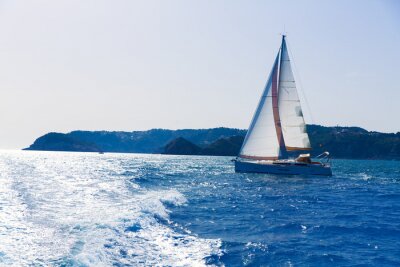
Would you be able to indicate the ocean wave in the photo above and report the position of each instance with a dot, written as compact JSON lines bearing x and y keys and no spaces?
{"x":81,"y":210}
{"x":77,"y":209}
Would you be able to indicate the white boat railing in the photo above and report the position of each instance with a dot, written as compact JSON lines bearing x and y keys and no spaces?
{"x":324,"y":157}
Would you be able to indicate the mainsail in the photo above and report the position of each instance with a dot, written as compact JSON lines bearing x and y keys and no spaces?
{"x":293,"y":125}
{"x":278,"y":124}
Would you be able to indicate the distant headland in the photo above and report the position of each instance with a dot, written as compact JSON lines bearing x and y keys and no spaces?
{"x":341,"y":142}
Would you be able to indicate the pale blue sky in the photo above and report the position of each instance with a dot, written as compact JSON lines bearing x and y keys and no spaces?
{"x":136,"y":65}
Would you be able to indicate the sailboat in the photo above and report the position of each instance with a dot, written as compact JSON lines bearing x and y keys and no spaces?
{"x":277,"y":134}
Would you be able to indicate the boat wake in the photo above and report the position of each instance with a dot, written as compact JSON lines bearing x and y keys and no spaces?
{"x":76,"y":209}
{"x":70,"y":211}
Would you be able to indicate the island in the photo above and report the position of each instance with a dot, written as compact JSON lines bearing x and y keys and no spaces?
{"x":341,"y":142}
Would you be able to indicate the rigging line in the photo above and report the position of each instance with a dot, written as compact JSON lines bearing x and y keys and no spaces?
{"x":300,"y":83}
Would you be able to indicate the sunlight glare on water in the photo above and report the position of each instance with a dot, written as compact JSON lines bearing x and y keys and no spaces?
{"x":87,"y":209}
{"x":82,"y":209}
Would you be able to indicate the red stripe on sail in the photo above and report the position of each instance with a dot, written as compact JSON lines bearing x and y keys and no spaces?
{"x":275,"y":108}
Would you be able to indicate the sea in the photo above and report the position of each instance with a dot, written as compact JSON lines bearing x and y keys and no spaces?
{"x":88,"y":209}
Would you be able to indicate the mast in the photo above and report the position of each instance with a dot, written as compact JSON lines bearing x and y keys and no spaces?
{"x":275,"y":104}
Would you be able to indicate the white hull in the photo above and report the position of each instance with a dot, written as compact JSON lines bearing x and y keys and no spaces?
{"x":283,"y":167}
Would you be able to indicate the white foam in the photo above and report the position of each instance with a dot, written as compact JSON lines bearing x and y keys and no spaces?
{"x":365,"y":176}
{"x":163,"y":246}
{"x":152,"y":202}
{"x":75,"y":207}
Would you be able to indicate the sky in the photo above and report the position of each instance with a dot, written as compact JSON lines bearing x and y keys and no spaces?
{"x":136,"y":65}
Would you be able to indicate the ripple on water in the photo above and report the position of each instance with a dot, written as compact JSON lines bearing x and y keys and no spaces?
{"x":76,"y":209}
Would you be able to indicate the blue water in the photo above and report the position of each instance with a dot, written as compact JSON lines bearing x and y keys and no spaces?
{"x":85,"y":209}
